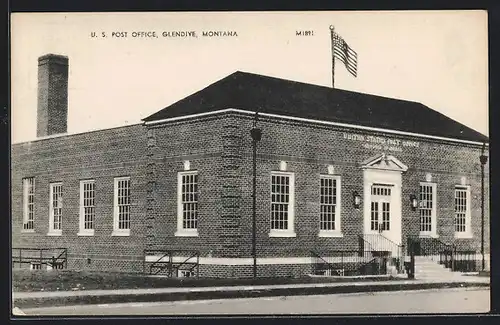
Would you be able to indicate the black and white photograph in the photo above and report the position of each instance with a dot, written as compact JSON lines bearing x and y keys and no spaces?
{"x":250,"y":163}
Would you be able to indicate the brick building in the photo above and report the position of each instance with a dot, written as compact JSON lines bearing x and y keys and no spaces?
{"x":336,"y":172}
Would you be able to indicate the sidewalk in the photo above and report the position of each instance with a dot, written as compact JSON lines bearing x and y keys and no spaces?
{"x":55,"y":298}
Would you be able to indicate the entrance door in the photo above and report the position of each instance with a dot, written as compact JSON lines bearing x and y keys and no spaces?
{"x":380,"y":211}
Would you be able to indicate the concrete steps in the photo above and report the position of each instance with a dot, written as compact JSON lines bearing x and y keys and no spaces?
{"x":429,"y":269}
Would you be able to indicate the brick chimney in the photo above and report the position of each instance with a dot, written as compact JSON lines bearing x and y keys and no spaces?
{"x":52,"y":112}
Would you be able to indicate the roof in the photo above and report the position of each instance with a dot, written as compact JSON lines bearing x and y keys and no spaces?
{"x":247,"y":91}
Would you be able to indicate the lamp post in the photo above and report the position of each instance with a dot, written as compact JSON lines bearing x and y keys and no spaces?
{"x":256,"y":134}
{"x":483,"y":159}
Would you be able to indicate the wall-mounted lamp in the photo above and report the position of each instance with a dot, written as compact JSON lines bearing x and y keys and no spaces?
{"x":413,"y":202}
{"x":356,"y":198}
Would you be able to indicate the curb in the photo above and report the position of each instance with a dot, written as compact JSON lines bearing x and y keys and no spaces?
{"x":245,"y":293}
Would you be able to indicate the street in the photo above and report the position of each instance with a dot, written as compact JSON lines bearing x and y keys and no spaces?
{"x":473,"y":300}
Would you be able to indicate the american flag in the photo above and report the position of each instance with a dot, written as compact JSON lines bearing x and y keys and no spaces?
{"x":344,"y":53}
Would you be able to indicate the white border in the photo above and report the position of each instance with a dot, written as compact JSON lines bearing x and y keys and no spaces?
{"x":346,"y":125}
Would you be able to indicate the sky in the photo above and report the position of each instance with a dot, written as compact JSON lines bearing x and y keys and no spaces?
{"x":438,"y":58}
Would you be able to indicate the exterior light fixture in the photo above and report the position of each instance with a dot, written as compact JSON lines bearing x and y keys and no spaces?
{"x":413,"y":202}
{"x":356,"y":198}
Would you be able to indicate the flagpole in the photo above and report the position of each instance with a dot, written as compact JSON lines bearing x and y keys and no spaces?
{"x":332,"y":31}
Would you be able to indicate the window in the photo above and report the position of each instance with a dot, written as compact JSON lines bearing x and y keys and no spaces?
{"x":56,"y":202}
{"x":122,"y":207}
{"x":87,"y":207}
{"x":329,"y":215}
{"x":28,"y":204}
{"x":185,"y":273}
{"x":462,"y":211}
{"x":187,"y":204}
{"x":282,"y":204}
{"x":427,"y":209}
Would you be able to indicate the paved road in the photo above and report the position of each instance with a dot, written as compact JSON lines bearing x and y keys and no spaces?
{"x":472,"y":300}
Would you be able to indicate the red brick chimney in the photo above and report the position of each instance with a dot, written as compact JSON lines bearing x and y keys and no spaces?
{"x":52,"y":112}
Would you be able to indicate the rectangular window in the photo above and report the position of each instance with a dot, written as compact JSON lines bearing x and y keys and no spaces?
{"x":87,"y":207}
{"x":282,"y":204}
{"x":187,"y":204}
{"x":56,"y":202}
{"x":427,"y":209}
{"x":462,"y":211}
{"x":122,"y":207}
{"x":329,"y":219}
{"x":28,"y":204}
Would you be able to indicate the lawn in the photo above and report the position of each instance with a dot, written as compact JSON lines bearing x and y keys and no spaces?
{"x":66,"y":280}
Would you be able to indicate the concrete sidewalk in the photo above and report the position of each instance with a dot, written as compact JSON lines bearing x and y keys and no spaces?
{"x":62,"y":298}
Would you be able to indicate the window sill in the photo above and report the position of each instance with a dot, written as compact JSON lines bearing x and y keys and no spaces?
{"x":283,"y":233}
{"x":54,"y":233}
{"x":28,"y":231}
{"x":463,"y":235}
{"x":121,"y":233}
{"x":330,"y":234}
{"x":186,"y":233}
{"x":427,"y":234}
{"x":85,"y":233}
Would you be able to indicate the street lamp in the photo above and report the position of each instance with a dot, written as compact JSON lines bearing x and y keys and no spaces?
{"x":256,"y":134}
{"x":483,"y":159}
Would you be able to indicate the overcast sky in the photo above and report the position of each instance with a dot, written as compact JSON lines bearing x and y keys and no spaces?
{"x":436,"y":58}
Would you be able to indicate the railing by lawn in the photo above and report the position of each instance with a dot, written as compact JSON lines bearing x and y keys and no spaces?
{"x":55,"y":258}
{"x":173,"y":263}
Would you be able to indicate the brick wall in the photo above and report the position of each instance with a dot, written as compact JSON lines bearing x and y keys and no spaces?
{"x":309,"y":148}
{"x":102,"y":156}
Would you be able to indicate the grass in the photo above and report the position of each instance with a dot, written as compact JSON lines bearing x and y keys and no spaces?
{"x":66,"y":280}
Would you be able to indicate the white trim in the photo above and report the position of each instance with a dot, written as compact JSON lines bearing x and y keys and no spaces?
{"x":121,"y":233}
{"x":290,"y":232}
{"x":433,"y":232}
{"x":338,"y":208}
{"x":330,"y":234}
{"x":116,"y":231}
{"x":183,"y":232}
{"x":52,"y":231}
{"x":346,"y":125}
{"x":86,"y":233}
{"x":282,"y":233}
{"x":82,"y":231}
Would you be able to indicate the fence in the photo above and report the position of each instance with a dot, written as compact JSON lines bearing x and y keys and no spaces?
{"x":53,"y":258}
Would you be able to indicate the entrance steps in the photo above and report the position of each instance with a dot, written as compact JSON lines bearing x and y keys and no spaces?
{"x":427,"y":268}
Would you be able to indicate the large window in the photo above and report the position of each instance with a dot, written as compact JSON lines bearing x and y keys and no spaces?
{"x":122,"y":206}
{"x":56,"y":202}
{"x":427,"y":209}
{"x":462,"y":211}
{"x":187,"y":204}
{"x":87,"y":207}
{"x":282,"y":204}
{"x":28,"y":204}
{"x":329,"y":217}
